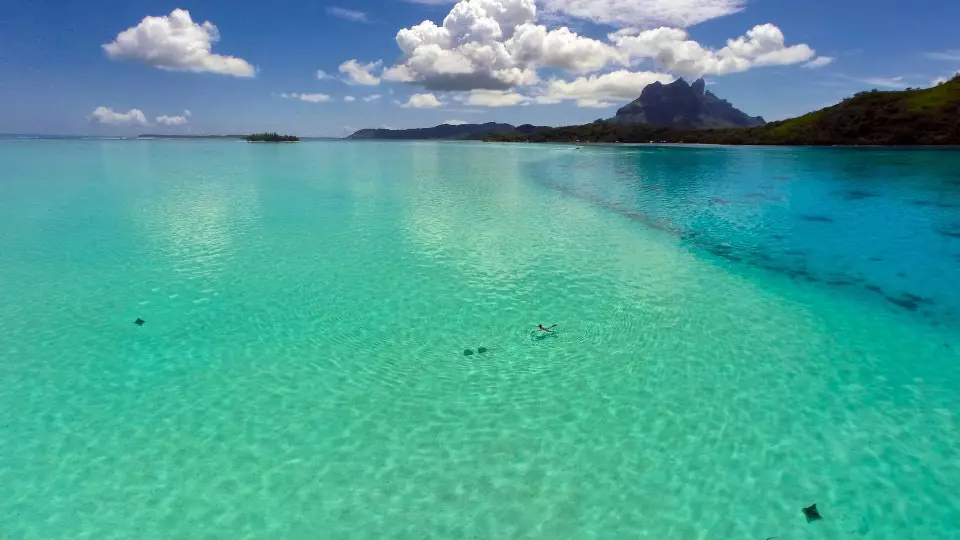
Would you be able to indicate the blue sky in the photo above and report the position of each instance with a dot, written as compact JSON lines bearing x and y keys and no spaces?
{"x":103,"y":68}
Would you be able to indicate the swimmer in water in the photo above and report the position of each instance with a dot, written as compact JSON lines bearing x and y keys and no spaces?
{"x":548,"y":330}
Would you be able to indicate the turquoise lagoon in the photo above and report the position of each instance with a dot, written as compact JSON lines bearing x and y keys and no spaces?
{"x":742,"y":332}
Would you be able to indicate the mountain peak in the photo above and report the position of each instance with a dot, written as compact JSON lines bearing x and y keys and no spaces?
{"x":680,"y":104}
{"x":699,"y":86}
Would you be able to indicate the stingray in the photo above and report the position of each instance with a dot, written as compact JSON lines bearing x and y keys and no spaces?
{"x":812,"y":513}
{"x":816,"y":219}
{"x":139,"y":321}
{"x":856,"y":195}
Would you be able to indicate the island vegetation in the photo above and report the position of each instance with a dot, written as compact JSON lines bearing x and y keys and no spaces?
{"x":443,"y":132}
{"x":271,"y":137}
{"x":929,"y":116}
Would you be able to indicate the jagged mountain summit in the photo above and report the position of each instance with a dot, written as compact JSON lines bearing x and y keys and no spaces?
{"x":682,"y":105}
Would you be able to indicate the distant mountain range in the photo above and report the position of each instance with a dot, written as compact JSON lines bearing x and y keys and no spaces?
{"x":683,"y":113}
{"x":681,"y":105}
{"x":927,"y":116}
{"x":677,"y":104}
{"x":446,"y":131}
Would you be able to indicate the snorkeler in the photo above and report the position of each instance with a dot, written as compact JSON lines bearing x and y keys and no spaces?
{"x":542,"y":329}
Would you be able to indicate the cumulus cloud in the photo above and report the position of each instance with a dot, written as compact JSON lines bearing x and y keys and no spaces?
{"x":669,"y":48}
{"x":171,"y":120}
{"x":941,"y":80}
{"x":491,"y":51}
{"x":359,"y":73}
{"x":818,"y":62}
{"x":644,"y":13}
{"x":422,"y":101}
{"x":106,"y":115}
{"x":637,"y":13}
{"x":348,"y":14}
{"x":310,"y":98}
{"x":174,"y":120}
{"x":323,"y":75}
{"x":372,"y":97}
{"x":493,"y":98}
{"x":175,"y":43}
{"x":497,"y":46}
{"x":561,"y":49}
{"x":468,"y":51}
{"x":601,"y":90}
{"x":349,"y":99}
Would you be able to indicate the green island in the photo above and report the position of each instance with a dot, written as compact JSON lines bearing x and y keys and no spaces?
{"x":271,"y":137}
{"x":926,"y":116}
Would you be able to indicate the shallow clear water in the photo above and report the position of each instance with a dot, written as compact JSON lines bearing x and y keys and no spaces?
{"x":742,"y":333}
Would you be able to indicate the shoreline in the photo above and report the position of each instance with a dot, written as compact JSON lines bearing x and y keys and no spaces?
{"x":22,"y":138}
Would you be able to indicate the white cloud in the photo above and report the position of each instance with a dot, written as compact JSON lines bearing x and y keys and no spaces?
{"x":172,"y":120}
{"x":322,"y":75}
{"x":885,"y":82}
{"x":106,"y":115}
{"x":455,"y":122}
{"x":818,"y":62}
{"x":464,"y":111}
{"x":468,"y":51}
{"x":941,"y":80}
{"x":561,"y":49}
{"x":349,"y":99}
{"x":492,"y":98}
{"x":422,"y":101}
{"x":348,"y":14}
{"x":176,"y":43}
{"x":876,"y":82}
{"x":372,"y":97}
{"x":879,"y":82}
{"x":497,"y":45}
{"x":357,"y":73}
{"x":952,"y":55}
{"x":645,"y":13}
{"x":187,"y":113}
{"x":669,"y":48}
{"x":311,"y":98}
{"x":601,"y":90}
{"x":638,"y":13}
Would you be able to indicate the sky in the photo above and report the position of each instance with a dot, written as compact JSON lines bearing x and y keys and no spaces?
{"x":327,"y":68}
